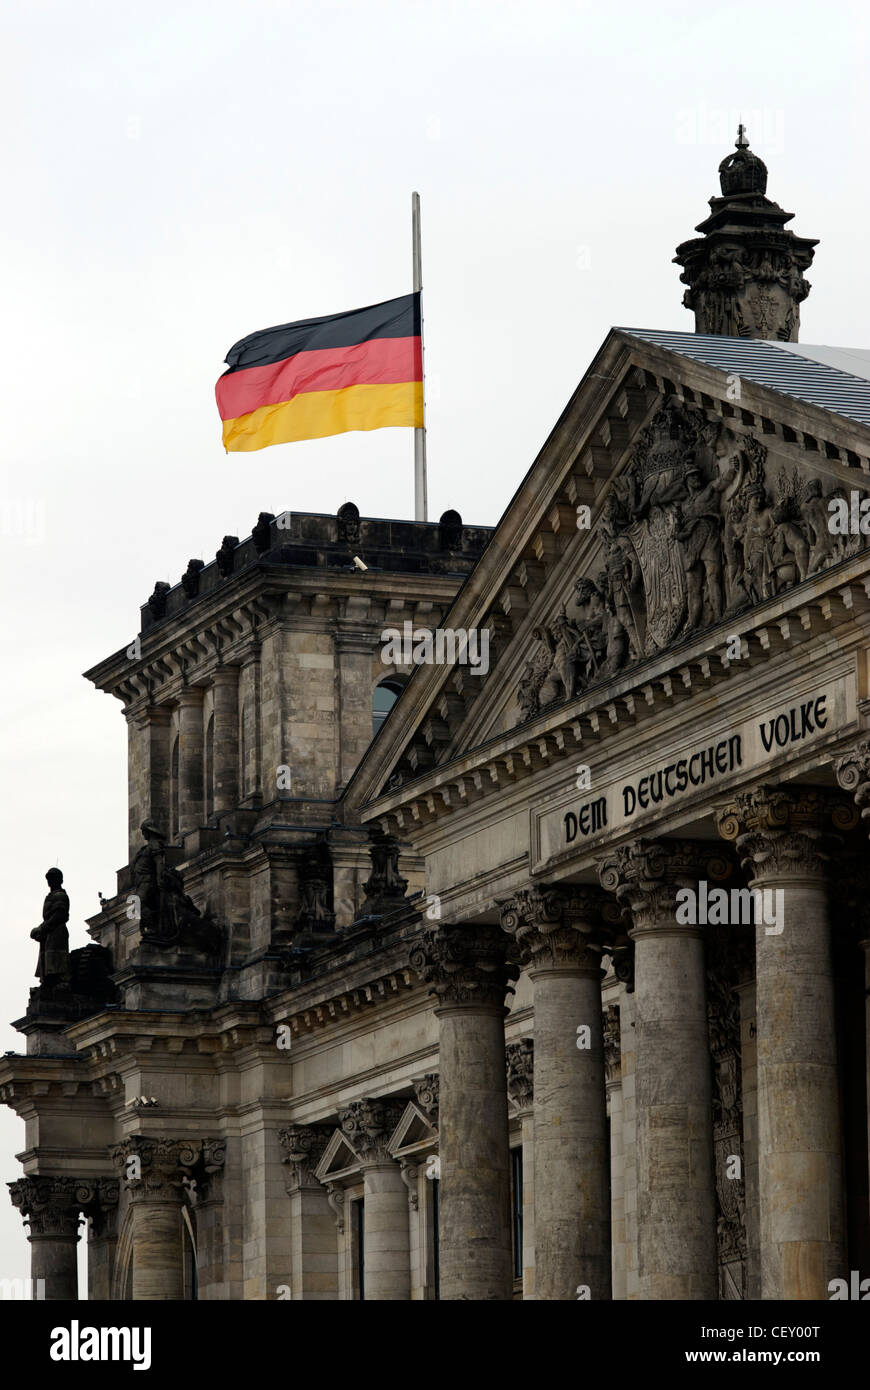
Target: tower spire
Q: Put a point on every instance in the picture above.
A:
(745, 273)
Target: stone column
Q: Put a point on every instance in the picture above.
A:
(190, 761)
(469, 972)
(613, 1089)
(676, 1219)
(153, 1172)
(559, 935)
(50, 1208)
(369, 1125)
(226, 738)
(313, 1274)
(780, 838)
(853, 775)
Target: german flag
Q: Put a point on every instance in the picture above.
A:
(305, 380)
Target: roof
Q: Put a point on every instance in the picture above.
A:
(834, 378)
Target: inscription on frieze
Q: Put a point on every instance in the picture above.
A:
(561, 825)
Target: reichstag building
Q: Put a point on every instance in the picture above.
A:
(532, 965)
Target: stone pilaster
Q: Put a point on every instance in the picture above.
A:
(190, 761)
(560, 934)
(782, 840)
(99, 1203)
(369, 1125)
(676, 1196)
(613, 1090)
(50, 1208)
(314, 1271)
(226, 739)
(469, 972)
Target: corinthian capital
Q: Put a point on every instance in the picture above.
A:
(646, 874)
(159, 1170)
(50, 1206)
(556, 925)
(465, 964)
(369, 1125)
(784, 832)
(303, 1147)
(853, 775)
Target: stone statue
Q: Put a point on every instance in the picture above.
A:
(817, 519)
(756, 533)
(699, 539)
(167, 916)
(790, 554)
(52, 968)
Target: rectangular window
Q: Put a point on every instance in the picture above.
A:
(359, 1241)
(517, 1209)
(436, 1250)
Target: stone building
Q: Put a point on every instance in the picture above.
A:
(556, 987)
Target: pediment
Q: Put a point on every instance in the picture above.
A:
(339, 1159)
(668, 500)
(413, 1133)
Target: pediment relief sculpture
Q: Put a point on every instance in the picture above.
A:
(701, 526)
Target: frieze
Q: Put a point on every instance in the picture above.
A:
(700, 527)
(571, 824)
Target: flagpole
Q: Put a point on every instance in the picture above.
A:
(421, 502)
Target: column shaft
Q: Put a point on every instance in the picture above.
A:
(190, 761)
(572, 1206)
(226, 739)
(475, 1242)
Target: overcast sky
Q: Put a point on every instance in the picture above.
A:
(179, 175)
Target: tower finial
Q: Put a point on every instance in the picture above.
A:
(742, 141)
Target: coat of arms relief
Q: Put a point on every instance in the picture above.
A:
(700, 527)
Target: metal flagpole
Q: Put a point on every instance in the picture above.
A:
(421, 502)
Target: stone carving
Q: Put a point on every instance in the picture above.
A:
(853, 775)
(167, 916)
(465, 964)
(166, 1170)
(262, 533)
(385, 887)
(612, 1044)
(450, 530)
(426, 1091)
(560, 924)
(645, 875)
(49, 1205)
(52, 967)
(157, 601)
(369, 1126)
(303, 1147)
(693, 531)
(780, 831)
(315, 890)
(98, 1199)
(190, 578)
(520, 1062)
(745, 274)
(226, 556)
(348, 524)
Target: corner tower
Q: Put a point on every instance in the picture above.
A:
(745, 273)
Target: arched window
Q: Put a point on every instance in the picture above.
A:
(208, 767)
(386, 693)
(173, 790)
